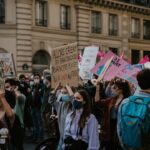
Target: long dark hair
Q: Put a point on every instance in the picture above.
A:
(86, 108)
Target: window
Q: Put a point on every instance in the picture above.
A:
(135, 56)
(41, 61)
(41, 13)
(146, 28)
(114, 50)
(2, 11)
(135, 28)
(65, 17)
(96, 22)
(113, 24)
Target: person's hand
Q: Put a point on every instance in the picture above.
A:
(58, 86)
(2, 94)
(69, 90)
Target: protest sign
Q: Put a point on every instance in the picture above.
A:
(106, 66)
(7, 66)
(88, 62)
(118, 67)
(65, 65)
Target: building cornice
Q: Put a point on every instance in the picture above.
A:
(118, 5)
(105, 37)
(53, 31)
(139, 41)
(8, 26)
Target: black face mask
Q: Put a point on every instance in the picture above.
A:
(10, 97)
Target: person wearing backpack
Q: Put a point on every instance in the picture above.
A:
(133, 125)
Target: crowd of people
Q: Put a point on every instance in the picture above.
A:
(106, 115)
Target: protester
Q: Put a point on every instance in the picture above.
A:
(81, 127)
(16, 129)
(120, 89)
(46, 107)
(133, 116)
(5, 111)
(36, 103)
(20, 104)
(61, 101)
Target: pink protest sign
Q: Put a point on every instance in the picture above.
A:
(117, 67)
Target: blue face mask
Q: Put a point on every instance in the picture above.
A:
(65, 98)
(77, 104)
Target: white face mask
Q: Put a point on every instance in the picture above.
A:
(36, 81)
(31, 83)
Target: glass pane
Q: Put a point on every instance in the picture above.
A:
(41, 13)
(41, 58)
(96, 22)
(2, 11)
(65, 19)
(113, 24)
(135, 56)
(135, 28)
(146, 28)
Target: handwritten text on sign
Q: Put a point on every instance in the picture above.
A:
(65, 65)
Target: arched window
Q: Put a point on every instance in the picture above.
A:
(2, 11)
(2, 50)
(41, 60)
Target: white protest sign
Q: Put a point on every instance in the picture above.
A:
(7, 66)
(88, 62)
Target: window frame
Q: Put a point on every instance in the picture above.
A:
(44, 21)
(113, 32)
(135, 34)
(98, 26)
(65, 25)
(146, 37)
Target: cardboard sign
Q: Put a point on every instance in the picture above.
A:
(65, 65)
(118, 67)
(88, 62)
(7, 66)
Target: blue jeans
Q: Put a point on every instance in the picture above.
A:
(38, 132)
(60, 144)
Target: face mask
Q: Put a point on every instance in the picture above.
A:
(65, 98)
(77, 104)
(36, 81)
(114, 93)
(46, 83)
(10, 97)
(31, 83)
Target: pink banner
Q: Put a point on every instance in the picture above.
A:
(118, 67)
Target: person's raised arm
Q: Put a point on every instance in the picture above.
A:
(69, 90)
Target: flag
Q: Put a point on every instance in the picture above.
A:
(144, 60)
(122, 55)
(100, 54)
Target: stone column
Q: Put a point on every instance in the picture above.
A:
(24, 35)
(83, 25)
(125, 34)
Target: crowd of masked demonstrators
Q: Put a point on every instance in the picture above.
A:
(89, 116)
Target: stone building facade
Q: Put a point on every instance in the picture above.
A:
(31, 28)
